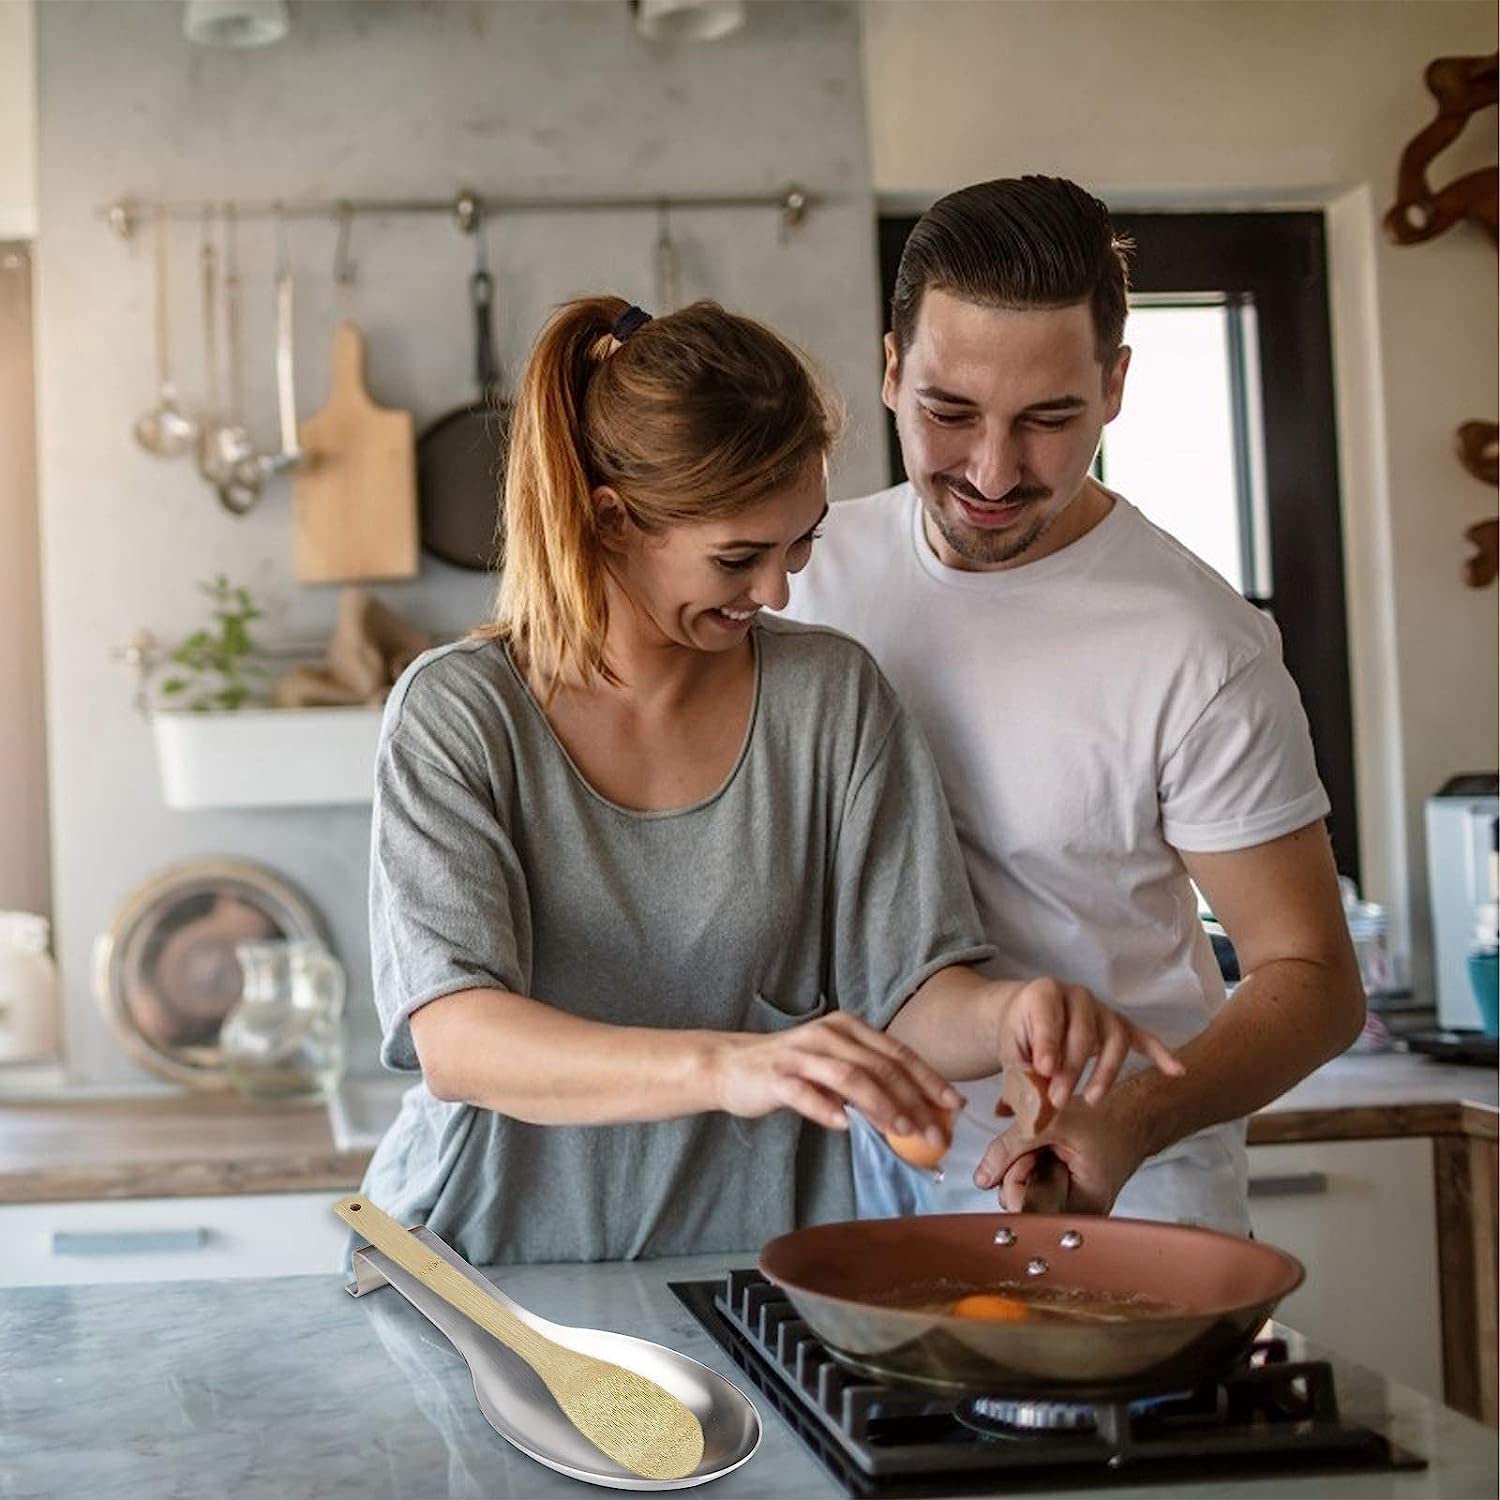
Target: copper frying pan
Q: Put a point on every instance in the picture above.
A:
(1221, 1288)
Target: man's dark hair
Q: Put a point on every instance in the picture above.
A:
(1017, 242)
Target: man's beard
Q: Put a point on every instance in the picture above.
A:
(986, 548)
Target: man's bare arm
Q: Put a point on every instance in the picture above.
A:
(1300, 1004)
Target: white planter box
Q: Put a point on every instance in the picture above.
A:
(266, 757)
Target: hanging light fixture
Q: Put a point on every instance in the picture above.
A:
(687, 20)
(235, 23)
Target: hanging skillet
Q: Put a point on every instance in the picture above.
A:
(461, 455)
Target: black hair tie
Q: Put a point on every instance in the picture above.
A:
(628, 322)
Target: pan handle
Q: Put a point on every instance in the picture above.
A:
(1046, 1190)
(482, 298)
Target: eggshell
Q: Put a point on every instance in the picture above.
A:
(1026, 1093)
(917, 1150)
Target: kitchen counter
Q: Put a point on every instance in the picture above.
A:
(1386, 1095)
(162, 1146)
(167, 1146)
(1364, 1095)
(283, 1389)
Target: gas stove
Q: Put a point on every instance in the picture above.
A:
(1271, 1415)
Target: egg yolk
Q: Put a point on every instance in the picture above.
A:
(991, 1307)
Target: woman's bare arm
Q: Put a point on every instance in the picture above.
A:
(526, 1059)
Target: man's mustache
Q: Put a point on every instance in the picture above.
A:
(1015, 496)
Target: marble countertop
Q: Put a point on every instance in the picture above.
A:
(285, 1389)
(57, 1148)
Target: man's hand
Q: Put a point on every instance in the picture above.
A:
(1056, 1030)
(1096, 1143)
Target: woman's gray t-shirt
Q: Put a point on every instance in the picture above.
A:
(823, 875)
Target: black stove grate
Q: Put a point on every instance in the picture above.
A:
(876, 1439)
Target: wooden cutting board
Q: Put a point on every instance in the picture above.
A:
(354, 496)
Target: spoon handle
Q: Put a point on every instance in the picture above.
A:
(439, 1277)
(1046, 1190)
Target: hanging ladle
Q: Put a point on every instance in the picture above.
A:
(248, 478)
(166, 430)
(226, 442)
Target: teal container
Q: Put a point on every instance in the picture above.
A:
(1484, 977)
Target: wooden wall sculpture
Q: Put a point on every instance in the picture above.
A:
(1462, 86)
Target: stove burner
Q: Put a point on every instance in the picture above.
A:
(886, 1439)
(992, 1416)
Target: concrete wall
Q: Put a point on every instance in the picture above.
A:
(1251, 103)
(371, 99)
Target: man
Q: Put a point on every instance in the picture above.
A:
(1112, 721)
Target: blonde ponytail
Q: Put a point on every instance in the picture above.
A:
(551, 599)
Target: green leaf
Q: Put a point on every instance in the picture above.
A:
(236, 642)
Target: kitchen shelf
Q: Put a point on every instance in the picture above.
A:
(271, 757)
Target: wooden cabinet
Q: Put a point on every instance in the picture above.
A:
(1361, 1216)
(169, 1239)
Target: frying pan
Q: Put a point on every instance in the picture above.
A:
(461, 455)
(1221, 1288)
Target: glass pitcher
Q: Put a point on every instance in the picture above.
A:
(285, 1039)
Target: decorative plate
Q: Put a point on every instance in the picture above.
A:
(165, 972)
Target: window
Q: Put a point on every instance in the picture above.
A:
(1185, 446)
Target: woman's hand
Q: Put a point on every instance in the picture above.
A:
(818, 1067)
(1054, 1030)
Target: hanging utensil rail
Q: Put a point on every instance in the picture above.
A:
(468, 208)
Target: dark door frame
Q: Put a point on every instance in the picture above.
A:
(1279, 262)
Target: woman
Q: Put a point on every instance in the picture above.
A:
(659, 885)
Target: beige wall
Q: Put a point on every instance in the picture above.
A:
(17, 120)
(1159, 103)
(23, 771)
(23, 761)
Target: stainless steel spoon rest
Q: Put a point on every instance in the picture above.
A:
(521, 1409)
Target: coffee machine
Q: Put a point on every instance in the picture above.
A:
(1461, 821)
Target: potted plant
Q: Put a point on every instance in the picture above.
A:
(216, 669)
(221, 743)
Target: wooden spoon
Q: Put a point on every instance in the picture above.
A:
(631, 1419)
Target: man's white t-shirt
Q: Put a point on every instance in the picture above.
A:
(1091, 713)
